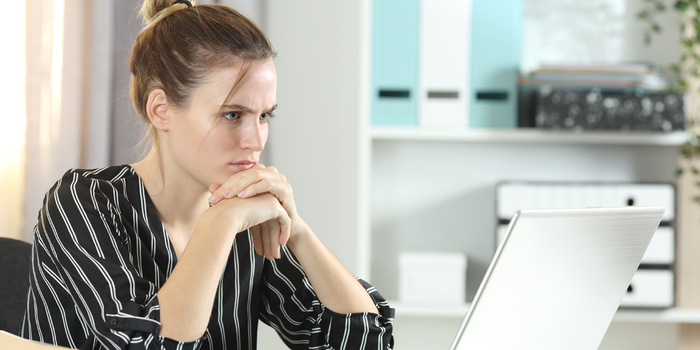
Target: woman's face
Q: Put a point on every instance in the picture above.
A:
(215, 138)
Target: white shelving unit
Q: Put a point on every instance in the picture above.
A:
(531, 136)
(672, 315)
(431, 186)
(371, 192)
(535, 137)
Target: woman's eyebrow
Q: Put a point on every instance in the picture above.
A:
(237, 107)
(243, 108)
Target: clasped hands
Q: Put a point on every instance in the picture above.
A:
(267, 206)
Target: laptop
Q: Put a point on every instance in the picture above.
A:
(557, 278)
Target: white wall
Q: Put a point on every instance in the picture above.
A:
(313, 141)
(314, 138)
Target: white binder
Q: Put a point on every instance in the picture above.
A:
(514, 196)
(444, 37)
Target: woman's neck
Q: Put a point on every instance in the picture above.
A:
(179, 202)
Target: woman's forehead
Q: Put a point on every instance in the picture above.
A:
(259, 80)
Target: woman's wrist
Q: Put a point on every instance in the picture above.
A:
(301, 232)
(221, 220)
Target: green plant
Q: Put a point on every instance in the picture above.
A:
(648, 15)
(686, 70)
(688, 65)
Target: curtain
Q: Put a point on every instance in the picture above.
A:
(66, 116)
(13, 127)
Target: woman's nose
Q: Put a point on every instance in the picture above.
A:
(254, 136)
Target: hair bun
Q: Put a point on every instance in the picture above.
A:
(155, 10)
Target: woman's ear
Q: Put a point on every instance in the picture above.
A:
(157, 109)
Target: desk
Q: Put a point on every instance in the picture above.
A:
(11, 341)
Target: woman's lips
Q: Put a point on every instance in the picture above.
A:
(240, 166)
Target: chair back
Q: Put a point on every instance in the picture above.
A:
(15, 257)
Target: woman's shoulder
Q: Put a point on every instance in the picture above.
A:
(109, 173)
(81, 183)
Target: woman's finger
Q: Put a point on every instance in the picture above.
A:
(279, 188)
(238, 182)
(283, 236)
(285, 228)
(265, 216)
(214, 187)
(257, 239)
(273, 231)
(264, 233)
(272, 169)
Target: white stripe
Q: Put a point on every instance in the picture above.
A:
(284, 329)
(236, 296)
(251, 282)
(380, 337)
(346, 333)
(219, 311)
(365, 333)
(281, 301)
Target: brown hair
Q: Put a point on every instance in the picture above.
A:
(180, 45)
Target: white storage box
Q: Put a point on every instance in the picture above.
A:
(432, 277)
(514, 196)
(661, 250)
(650, 288)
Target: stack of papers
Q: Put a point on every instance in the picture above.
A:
(604, 77)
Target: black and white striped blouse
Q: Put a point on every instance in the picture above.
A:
(101, 255)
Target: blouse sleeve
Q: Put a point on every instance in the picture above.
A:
(85, 289)
(290, 306)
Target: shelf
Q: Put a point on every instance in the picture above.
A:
(675, 138)
(672, 315)
(429, 309)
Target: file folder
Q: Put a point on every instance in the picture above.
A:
(496, 53)
(395, 63)
(444, 62)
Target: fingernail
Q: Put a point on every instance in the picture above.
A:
(241, 194)
(213, 198)
(227, 192)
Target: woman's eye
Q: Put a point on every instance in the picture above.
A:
(266, 116)
(231, 115)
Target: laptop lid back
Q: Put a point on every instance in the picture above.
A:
(557, 278)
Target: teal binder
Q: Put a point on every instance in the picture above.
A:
(496, 52)
(395, 63)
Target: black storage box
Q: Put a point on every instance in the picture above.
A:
(594, 109)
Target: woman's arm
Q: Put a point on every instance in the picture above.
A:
(187, 298)
(335, 287)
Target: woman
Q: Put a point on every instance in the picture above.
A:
(189, 247)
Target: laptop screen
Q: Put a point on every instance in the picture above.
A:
(557, 278)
